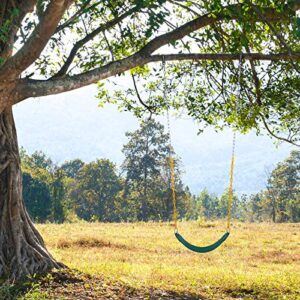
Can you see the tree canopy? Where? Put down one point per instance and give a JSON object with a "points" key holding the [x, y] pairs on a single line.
{"points": [[61, 45]]}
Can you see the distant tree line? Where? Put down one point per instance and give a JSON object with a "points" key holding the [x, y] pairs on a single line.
{"points": [[140, 191]]}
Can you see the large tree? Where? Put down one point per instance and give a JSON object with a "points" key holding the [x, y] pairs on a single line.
{"points": [[145, 155], [147, 173], [54, 46]]}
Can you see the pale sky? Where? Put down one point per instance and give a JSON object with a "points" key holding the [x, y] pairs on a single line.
{"points": [[70, 125]]}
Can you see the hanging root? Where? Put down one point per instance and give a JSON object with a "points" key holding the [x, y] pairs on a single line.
{"points": [[22, 251]]}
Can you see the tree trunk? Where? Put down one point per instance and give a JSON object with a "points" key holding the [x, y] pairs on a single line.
{"points": [[273, 212], [22, 249]]}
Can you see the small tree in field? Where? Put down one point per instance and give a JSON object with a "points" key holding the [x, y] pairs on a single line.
{"points": [[37, 197], [208, 204], [95, 191], [58, 192], [54, 46], [36, 184]]}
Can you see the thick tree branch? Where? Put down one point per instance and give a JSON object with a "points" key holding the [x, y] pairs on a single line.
{"points": [[29, 88], [36, 42], [36, 88], [295, 56], [89, 37], [176, 34], [5, 12], [231, 12]]}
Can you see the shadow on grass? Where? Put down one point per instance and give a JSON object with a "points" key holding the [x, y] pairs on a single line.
{"points": [[73, 285], [9, 291], [70, 284], [36, 287]]}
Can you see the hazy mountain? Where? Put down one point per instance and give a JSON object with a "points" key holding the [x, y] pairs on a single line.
{"points": [[72, 126]]}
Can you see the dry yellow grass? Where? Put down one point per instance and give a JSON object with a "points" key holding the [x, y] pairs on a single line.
{"points": [[258, 261]]}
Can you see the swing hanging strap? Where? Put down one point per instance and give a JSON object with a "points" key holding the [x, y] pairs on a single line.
{"points": [[171, 159], [230, 191]]}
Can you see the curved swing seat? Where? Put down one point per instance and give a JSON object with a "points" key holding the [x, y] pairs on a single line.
{"points": [[204, 249]]}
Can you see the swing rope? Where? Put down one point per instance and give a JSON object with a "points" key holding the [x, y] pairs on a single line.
{"points": [[171, 159], [173, 192], [172, 174], [230, 191]]}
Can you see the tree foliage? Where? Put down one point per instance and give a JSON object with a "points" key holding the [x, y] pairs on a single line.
{"points": [[283, 190], [97, 192], [83, 42], [37, 197], [147, 173]]}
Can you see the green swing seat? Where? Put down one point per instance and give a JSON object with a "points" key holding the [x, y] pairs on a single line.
{"points": [[204, 249]]}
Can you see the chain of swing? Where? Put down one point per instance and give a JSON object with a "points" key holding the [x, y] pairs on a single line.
{"points": [[171, 159]]}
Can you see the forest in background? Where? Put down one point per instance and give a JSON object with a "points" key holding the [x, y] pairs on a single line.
{"points": [[140, 189]]}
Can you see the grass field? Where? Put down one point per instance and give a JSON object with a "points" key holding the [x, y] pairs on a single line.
{"points": [[258, 261]]}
